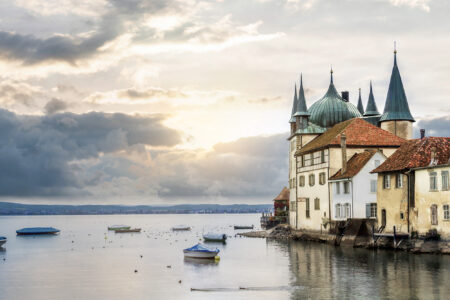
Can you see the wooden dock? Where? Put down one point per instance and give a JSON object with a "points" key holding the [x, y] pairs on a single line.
{"points": [[398, 237]]}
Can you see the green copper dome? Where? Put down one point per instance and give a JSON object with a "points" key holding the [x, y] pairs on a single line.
{"points": [[332, 109]]}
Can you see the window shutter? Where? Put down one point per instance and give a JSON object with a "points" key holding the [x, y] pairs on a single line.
{"points": [[368, 210]]}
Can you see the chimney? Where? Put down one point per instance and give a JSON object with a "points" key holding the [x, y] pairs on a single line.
{"points": [[344, 152], [345, 96], [422, 133]]}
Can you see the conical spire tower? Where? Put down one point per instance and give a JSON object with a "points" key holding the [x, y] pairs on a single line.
{"points": [[371, 108], [301, 109], [294, 105], [360, 105], [396, 107]]}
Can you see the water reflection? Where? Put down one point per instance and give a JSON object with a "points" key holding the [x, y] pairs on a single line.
{"points": [[200, 261], [331, 272]]}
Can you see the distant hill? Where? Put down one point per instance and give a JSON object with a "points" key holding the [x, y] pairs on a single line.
{"points": [[8, 208]]}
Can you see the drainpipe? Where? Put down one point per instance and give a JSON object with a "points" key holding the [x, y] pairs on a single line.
{"points": [[344, 152], [296, 193], [408, 196]]}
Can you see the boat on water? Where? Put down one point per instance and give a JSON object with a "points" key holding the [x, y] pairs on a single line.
{"points": [[200, 251], [119, 227], [181, 228], [127, 230], [2, 240], [214, 237], [243, 227], [37, 230]]}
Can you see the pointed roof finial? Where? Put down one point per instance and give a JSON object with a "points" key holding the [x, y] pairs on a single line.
{"points": [[395, 53], [294, 105], [360, 105], [371, 108], [331, 72], [301, 109]]}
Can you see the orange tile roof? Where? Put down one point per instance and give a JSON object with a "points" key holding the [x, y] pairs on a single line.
{"points": [[417, 153], [354, 165], [359, 133], [283, 196]]}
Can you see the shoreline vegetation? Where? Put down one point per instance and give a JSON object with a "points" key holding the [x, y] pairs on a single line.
{"points": [[17, 209], [416, 245]]}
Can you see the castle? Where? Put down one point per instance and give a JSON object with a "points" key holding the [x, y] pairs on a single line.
{"points": [[332, 130]]}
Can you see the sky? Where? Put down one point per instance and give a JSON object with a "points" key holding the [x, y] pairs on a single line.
{"points": [[175, 101]]}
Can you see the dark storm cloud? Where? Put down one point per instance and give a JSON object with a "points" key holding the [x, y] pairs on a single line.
{"points": [[39, 154], [439, 126], [55, 105], [30, 49]]}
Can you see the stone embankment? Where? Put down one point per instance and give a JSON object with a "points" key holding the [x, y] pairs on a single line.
{"points": [[285, 232]]}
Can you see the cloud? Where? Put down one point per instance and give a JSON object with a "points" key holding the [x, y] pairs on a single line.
{"points": [[44, 155], [422, 4], [434, 126], [55, 105]]}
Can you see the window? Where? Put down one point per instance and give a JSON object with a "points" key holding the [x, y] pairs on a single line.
{"points": [[322, 178], [446, 212], [371, 210], [399, 181], [377, 162], [347, 210], [338, 188], [307, 208], [434, 219], [444, 175], [322, 156], [373, 186], [387, 181], [311, 179], [317, 204], [402, 216], [301, 180], [433, 181], [346, 187], [302, 158], [337, 211], [342, 213], [311, 157]]}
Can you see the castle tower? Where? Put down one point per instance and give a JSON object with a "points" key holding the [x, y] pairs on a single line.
{"points": [[396, 117], [301, 113], [294, 109], [360, 105], [371, 108]]}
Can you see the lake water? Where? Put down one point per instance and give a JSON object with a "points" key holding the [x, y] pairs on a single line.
{"points": [[86, 261]]}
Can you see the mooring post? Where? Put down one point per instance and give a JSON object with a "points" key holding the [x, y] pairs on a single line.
{"points": [[395, 239], [373, 235]]}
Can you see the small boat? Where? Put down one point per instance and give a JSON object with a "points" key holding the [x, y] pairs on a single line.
{"points": [[37, 230], [127, 230], [243, 227], [200, 251], [119, 227], [2, 240], [214, 237], [181, 228]]}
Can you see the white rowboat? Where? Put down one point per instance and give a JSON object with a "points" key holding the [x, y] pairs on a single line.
{"points": [[200, 251]]}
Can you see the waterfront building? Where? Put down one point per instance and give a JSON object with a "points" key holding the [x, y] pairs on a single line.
{"points": [[354, 188], [413, 188], [315, 143]]}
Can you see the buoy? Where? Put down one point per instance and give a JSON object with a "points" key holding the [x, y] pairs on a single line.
{"points": [[168, 267], [135, 271]]}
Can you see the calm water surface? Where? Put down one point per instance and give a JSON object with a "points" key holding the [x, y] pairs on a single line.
{"points": [[87, 262]]}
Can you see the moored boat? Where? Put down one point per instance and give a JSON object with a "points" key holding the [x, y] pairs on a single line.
{"points": [[119, 227], [200, 251], [127, 230], [2, 240], [243, 227], [181, 228], [37, 230], [214, 237]]}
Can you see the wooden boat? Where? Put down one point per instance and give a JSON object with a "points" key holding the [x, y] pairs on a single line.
{"points": [[127, 230], [37, 230], [119, 227], [214, 237], [181, 228], [243, 227], [200, 251], [2, 240]]}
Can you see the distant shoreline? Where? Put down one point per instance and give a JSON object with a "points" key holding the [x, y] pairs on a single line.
{"points": [[17, 209]]}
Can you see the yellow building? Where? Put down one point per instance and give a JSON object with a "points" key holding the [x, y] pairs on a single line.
{"points": [[413, 188]]}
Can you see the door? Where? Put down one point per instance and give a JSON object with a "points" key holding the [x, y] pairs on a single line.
{"points": [[383, 217], [434, 218]]}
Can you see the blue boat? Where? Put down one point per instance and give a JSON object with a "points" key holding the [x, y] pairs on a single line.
{"points": [[200, 251], [2, 240], [37, 230]]}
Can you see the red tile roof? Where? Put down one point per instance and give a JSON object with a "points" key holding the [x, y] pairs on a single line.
{"points": [[417, 153], [354, 165], [283, 196], [359, 133]]}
